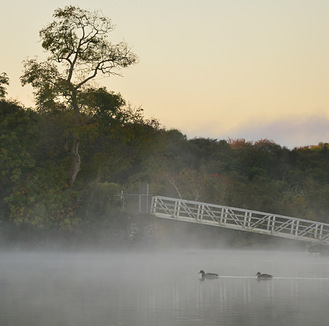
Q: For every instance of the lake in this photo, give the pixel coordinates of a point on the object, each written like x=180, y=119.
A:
x=163, y=288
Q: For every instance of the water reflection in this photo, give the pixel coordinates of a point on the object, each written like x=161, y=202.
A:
x=162, y=289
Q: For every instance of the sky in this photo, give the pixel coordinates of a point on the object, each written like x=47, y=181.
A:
x=220, y=69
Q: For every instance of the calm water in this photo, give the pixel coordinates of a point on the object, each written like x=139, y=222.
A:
x=163, y=289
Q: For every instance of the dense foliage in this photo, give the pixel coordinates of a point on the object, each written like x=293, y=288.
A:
x=122, y=153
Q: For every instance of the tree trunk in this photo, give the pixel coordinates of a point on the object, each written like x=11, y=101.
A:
x=75, y=159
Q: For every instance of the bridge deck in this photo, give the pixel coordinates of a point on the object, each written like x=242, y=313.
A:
x=240, y=219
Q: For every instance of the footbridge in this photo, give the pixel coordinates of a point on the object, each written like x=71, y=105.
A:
x=240, y=219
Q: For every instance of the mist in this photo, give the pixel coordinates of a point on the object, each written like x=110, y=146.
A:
x=139, y=287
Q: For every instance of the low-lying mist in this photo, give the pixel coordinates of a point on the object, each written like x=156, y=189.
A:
x=162, y=287
x=146, y=233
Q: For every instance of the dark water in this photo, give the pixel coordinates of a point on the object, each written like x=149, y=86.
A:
x=163, y=289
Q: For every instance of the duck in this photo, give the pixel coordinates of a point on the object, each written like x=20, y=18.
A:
x=261, y=276
x=204, y=275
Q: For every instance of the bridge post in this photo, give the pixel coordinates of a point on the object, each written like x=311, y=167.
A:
x=321, y=231
x=271, y=223
x=316, y=231
x=247, y=219
x=297, y=227
x=177, y=208
x=199, y=212
x=223, y=216
x=153, y=206
x=292, y=227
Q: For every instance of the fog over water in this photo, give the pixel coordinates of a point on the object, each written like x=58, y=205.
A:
x=163, y=288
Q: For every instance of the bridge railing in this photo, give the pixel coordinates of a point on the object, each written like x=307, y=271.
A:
x=240, y=219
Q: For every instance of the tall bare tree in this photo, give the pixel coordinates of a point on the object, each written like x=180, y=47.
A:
x=79, y=50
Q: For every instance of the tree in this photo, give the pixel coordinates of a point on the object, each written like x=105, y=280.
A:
x=79, y=51
x=4, y=80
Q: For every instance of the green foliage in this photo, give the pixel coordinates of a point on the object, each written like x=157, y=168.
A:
x=17, y=131
x=104, y=106
x=4, y=80
x=41, y=200
x=79, y=50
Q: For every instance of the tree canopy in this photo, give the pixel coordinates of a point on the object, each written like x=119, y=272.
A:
x=79, y=50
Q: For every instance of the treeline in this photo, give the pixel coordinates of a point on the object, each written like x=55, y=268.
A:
x=120, y=154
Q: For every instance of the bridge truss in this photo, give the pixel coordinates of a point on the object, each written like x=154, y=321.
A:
x=240, y=219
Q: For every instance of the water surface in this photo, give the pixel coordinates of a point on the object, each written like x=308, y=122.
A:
x=163, y=289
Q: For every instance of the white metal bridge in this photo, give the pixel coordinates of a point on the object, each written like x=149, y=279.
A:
x=240, y=219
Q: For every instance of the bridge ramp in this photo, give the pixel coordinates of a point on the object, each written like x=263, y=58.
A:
x=240, y=219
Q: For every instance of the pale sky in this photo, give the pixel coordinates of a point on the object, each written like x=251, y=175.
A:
x=221, y=69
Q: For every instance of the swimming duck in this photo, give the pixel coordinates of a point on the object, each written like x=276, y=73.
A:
x=261, y=276
x=204, y=275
